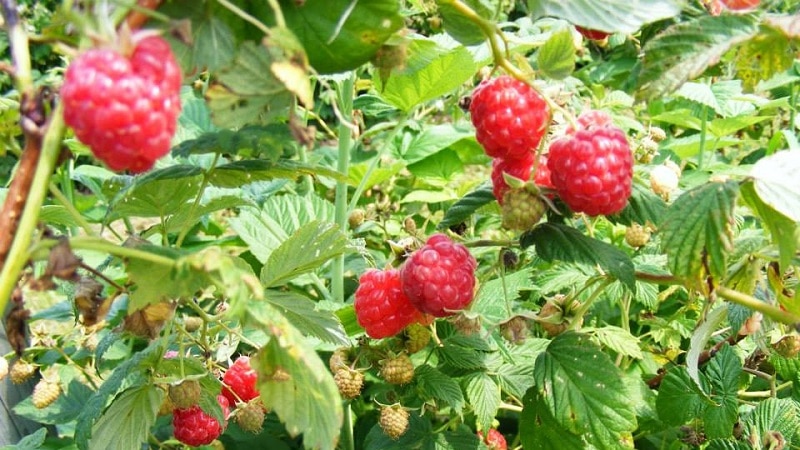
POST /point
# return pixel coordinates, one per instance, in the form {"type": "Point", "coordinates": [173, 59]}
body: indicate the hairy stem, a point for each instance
{"type": "Point", "coordinates": [345, 100]}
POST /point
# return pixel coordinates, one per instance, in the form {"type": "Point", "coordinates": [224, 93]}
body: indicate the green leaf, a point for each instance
{"type": "Point", "coordinates": [434, 384]}
{"type": "Point", "coordinates": [463, 352]}
{"type": "Point", "coordinates": [32, 441]}
{"type": "Point", "coordinates": [239, 173]}
{"type": "Point", "coordinates": [466, 206]}
{"type": "Point", "coordinates": [247, 91]}
{"type": "Point", "coordinates": [699, 93]}
{"type": "Point", "coordinates": [556, 58]}
{"type": "Point", "coordinates": [305, 251]}
{"type": "Point", "coordinates": [729, 125]}
{"type": "Point", "coordinates": [766, 55]}
{"type": "Point", "coordinates": [555, 241]}
{"type": "Point", "coordinates": [57, 215]}
{"type": "Point", "coordinates": [431, 140]}
{"type": "Point", "coordinates": [643, 206]}
{"type": "Point", "coordinates": [340, 35]}
{"type": "Point", "coordinates": [127, 421]}
{"type": "Point", "coordinates": [585, 392]}
{"type": "Point", "coordinates": [685, 50]}
{"type": "Point", "coordinates": [269, 141]}
{"type": "Point", "coordinates": [461, 27]}
{"type": "Point", "coordinates": [214, 44]}
{"type": "Point", "coordinates": [494, 295]}
{"type": "Point", "coordinates": [610, 15]}
{"type": "Point", "coordinates": [213, 200]}
{"type": "Point", "coordinates": [699, 225]}
{"type": "Point", "coordinates": [66, 408]}
{"type": "Point", "coordinates": [777, 183]}
{"type": "Point", "coordinates": [774, 415]}
{"type": "Point", "coordinates": [539, 429]}
{"type": "Point", "coordinates": [439, 166]}
{"type": "Point", "coordinates": [195, 118]}
{"type": "Point", "coordinates": [680, 399]}
{"type": "Point", "coordinates": [160, 193]}
{"type": "Point", "coordinates": [430, 72]}
{"type": "Point", "coordinates": [296, 384]}
{"type": "Point", "coordinates": [96, 404]}
{"type": "Point", "coordinates": [781, 228]}
{"type": "Point", "coordinates": [617, 339]}
{"type": "Point", "coordinates": [786, 368]}
{"type": "Point", "coordinates": [723, 373]}
{"type": "Point", "coordinates": [292, 211]}
{"type": "Point", "coordinates": [301, 313]}
{"type": "Point", "coordinates": [483, 394]}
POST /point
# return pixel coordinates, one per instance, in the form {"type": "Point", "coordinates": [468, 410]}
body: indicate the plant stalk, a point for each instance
{"type": "Point", "coordinates": [345, 100]}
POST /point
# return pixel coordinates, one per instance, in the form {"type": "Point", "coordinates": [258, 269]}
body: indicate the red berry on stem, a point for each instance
{"type": "Point", "coordinates": [738, 5]}
{"type": "Point", "coordinates": [518, 168]}
{"type": "Point", "coordinates": [439, 278]}
{"type": "Point", "coordinates": [592, 169]}
{"type": "Point", "coordinates": [595, 35]}
{"type": "Point", "coordinates": [124, 108]}
{"type": "Point", "coordinates": [240, 380]}
{"type": "Point", "coordinates": [510, 117]}
{"type": "Point", "coordinates": [381, 306]}
{"type": "Point", "coordinates": [494, 439]}
{"type": "Point", "coordinates": [194, 427]}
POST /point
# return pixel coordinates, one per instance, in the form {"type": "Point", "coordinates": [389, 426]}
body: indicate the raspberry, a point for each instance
{"type": "Point", "coordinates": [637, 236]}
{"type": "Point", "coordinates": [657, 133]}
{"type": "Point", "coordinates": [356, 218]}
{"type": "Point", "coordinates": [738, 5]}
{"type": "Point", "coordinates": [590, 119]}
{"type": "Point", "coordinates": [494, 440]}
{"type": "Point", "coordinates": [184, 394]}
{"type": "Point", "coordinates": [250, 417]}
{"type": "Point", "coordinates": [465, 324]}
{"type": "Point", "coordinates": [522, 208]}
{"type": "Point", "coordinates": [510, 117]}
{"type": "Point", "coordinates": [192, 324]}
{"type": "Point", "coordinates": [240, 380]}
{"type": "Point", "coordinates": [520, 169]}
{"type": "Point", "coordinates": [398, 370]}
{"type": "Point", "coordinates": [349, 382]}
{"type": "Point", "coordinates": [22, 371]}
{"type": "Point", "coordinates": [417, 337]}
{"type": "Point", "coordinates": [124, 107]}
{"type": "Point", "coordinates": [553, 317]}
{"type": "Point", "coordinates": [194, 427]}
{"type": "Point", "coordinates": [45, 393]}
{"type": "Point", "coordinates": [439, 278]}
{"type": "Point", "coordinates": [381, 306]}
{"type": "Point", "coordinates": [664, 179]}
{"type": "Point", "coordinates": [592, 169]}
{"type": "Point", "coordinates": [3, 368]}
{"type": "Point", "coordinates": [515, 329]}
{"type": "Point", "coordinates": [595, 35]}
{"type": "Point", "coordinates": [339, 359]}
{"type": "Point", "coordinates": [393, 421]}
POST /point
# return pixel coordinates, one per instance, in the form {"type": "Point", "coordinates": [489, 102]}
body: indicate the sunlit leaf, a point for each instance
{"type": "Point", "coordinates": [610, 15]}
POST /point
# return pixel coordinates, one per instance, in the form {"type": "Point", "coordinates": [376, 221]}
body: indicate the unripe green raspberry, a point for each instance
{"type": "Point", "coordinates": [22, 371]}
{"type": "Point", "coordinates": [466, 325]}
{"type": "Point", "coordinates": [339, 359]}
{"type": "Point", "coordinates": [349, 382]}
{"type": "Point", "coordinates": [185, 394]}
{"type": "Point", "coordinates": [398, 370]}
{"type": "Point", "coordinates": [250, 417]}
{"type": "Point", "coordinates": [417, 337]}
{"type": "Point", "coordinates": [356, 218]}
{"type": "Point", "coordinates": [45, 393]}
{"type": "Point", "coordinates": [637, 236]}
{"type": "Point", "coordinates": [192, 323]}
{"type": "Point", "coordinates": [394, 421]}
{"type": "Point", "coordinates": [522, 208]}
{"type": "Point", "coordinates": [657, 134]}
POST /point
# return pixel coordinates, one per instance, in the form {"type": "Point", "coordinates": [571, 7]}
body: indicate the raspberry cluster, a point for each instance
{"type": "Point", "coordinates": [438, 279]}
{"type": "Point", "coordinates": [125, 107]}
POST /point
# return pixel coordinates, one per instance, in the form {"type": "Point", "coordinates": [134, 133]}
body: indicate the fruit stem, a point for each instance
{"type": "Point", "coordinates": [347, 428]}
{"type": "Point", "coordinates": [773, 312]}
{"type": "Point", "coordinates": [345, 101]}
{"type": "Point", "coordinates": [203, 184]}
{"type": "Point", "coordinates": [703, 127]}
{"type": "Point", "coordinates": [50, 150]}
{"type": "Point", "coordinates": [61, 198]}
{"type": "Point", "coordinates": [252, 20]}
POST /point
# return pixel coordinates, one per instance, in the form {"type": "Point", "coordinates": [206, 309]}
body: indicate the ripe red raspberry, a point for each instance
{"type": "Point", "coordinates": [494, 440]}
{"type": "Point", "coordinates": [510, 117]}
{"type": "Point", "coordinates": [439, 278]}
{"type": "Point", "coordinates": [595, 35]}
{"type": "Point", "coordinates": [240, 380]}
{"type": "Point", "coordinates": [592, 169]}
{"type": "Point", "coordinates": [124, 107]}
{"type": "Point", "coordinates": [738, 5]}
{"type": "Point", "coordinates": [381, 306]}
{"type": "Point", "coordinates": [591, 119]}
{"type": "Point", "coordinates": [194, 427]}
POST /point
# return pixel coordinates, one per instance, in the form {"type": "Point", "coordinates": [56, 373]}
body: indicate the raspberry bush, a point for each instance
{"type": "Point", "coordinates": [414, 218]}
